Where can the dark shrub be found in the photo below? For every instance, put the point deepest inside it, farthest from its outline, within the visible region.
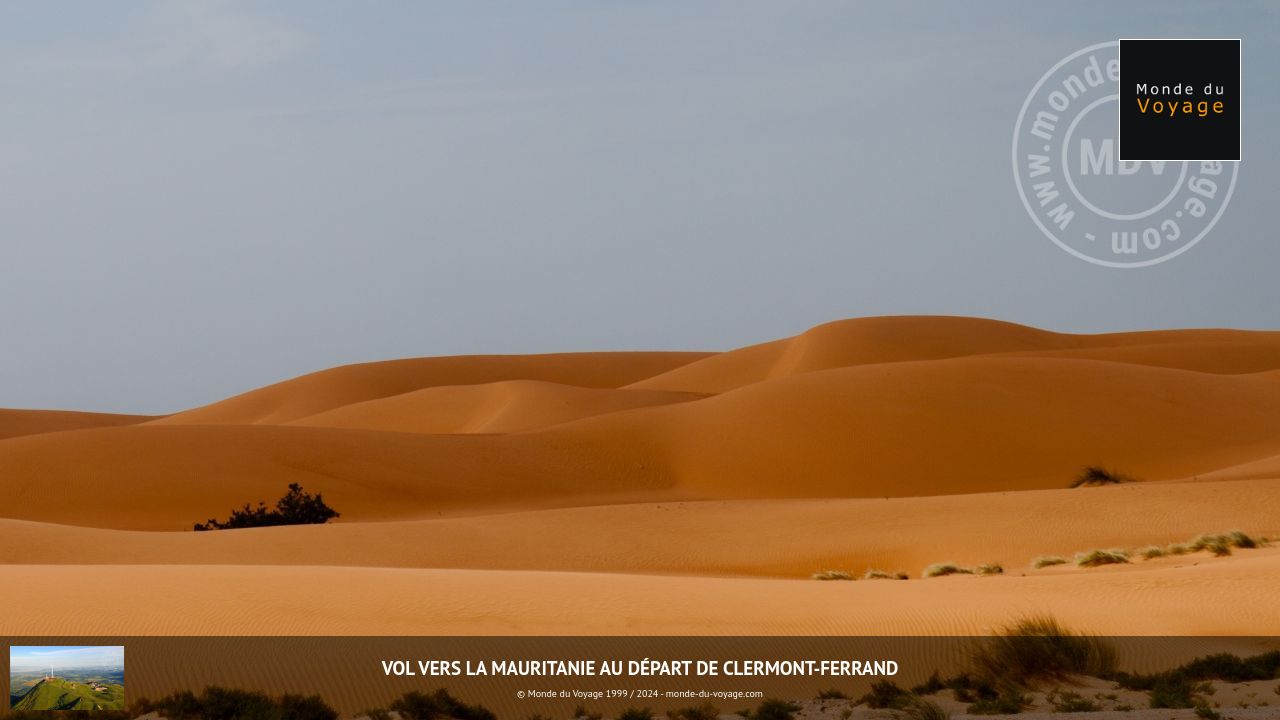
(775, 710)
(295, 508)
(886, 694)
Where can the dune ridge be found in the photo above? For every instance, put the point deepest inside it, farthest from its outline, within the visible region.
(530, 493)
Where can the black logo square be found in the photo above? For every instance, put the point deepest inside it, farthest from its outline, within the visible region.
(1179, 99)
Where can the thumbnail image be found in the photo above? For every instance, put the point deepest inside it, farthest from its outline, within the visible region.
(66, 677)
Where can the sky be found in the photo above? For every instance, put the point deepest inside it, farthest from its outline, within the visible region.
(200, 198)
(62, 657)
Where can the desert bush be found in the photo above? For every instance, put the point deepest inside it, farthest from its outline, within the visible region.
(832, 694)
(1009, 702)
(1045, 561)
(1065, 701)
(217, 703)
(1173, 691)
(1207, 713)
(1178, 549)
(1094, 475)
(636, 714)
(934, 684)
(1096, 558)
(1039, 648)
(946, 568)
(832, 575)
(926, 710)
(886, 694)
(990, 569)
(1151, 552)
(582, 713)
(295, 508)
(436, 706)
(876, 574)
(775, 710)
(1219, 545)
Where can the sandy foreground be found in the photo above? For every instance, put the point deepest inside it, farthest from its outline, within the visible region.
(673, 493)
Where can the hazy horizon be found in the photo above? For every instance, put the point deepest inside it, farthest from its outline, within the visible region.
(207, 197)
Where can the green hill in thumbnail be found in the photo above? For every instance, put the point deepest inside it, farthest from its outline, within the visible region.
(61, 694)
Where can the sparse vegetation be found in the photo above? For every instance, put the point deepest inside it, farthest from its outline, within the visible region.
(886, 694)
(1095, 475)
(989, 569)
(876, 574)
(775, 710)
(1097, 558)
(436, 705)
(1045, 561)
(582, 713)
(295, 508)
(946, 568)
(1065, 701)
(636, 714)
(832, 575)
(216, 703)
(832, 694)
(1151, 552)
(926, 710)
(1039, 648)
(706, 711)
(1009, 702)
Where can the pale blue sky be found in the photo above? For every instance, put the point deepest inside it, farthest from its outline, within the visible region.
(63, 657)
(203, 197)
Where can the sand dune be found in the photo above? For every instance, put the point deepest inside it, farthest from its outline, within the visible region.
(502, 407)
(652, 493)
(865, 341)
(17, 423)
(275, 600)
(945, 427)
(787, 538)
(328, 389)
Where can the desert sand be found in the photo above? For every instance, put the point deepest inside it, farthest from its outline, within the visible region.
(673, 493)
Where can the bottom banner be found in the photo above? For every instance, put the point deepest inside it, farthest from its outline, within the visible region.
(1035, 668)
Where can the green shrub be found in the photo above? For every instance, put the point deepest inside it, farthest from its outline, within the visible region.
(990, 569)
(946, 568)
(876, 574)
(1151, 552)
(1173, 691)
(926, 710)
(1045, 561)
(886, 694)
(1039, 648)
(1096, 558)
(931, 686)
(295, 508)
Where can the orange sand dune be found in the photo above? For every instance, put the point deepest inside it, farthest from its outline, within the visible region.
(864, 341)
(652, 493)
(502, 407)
(962, 425)
(16, 423)
(165, 477)
(328, 389)
(708, 538)
(943, 427)
(275, 600)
